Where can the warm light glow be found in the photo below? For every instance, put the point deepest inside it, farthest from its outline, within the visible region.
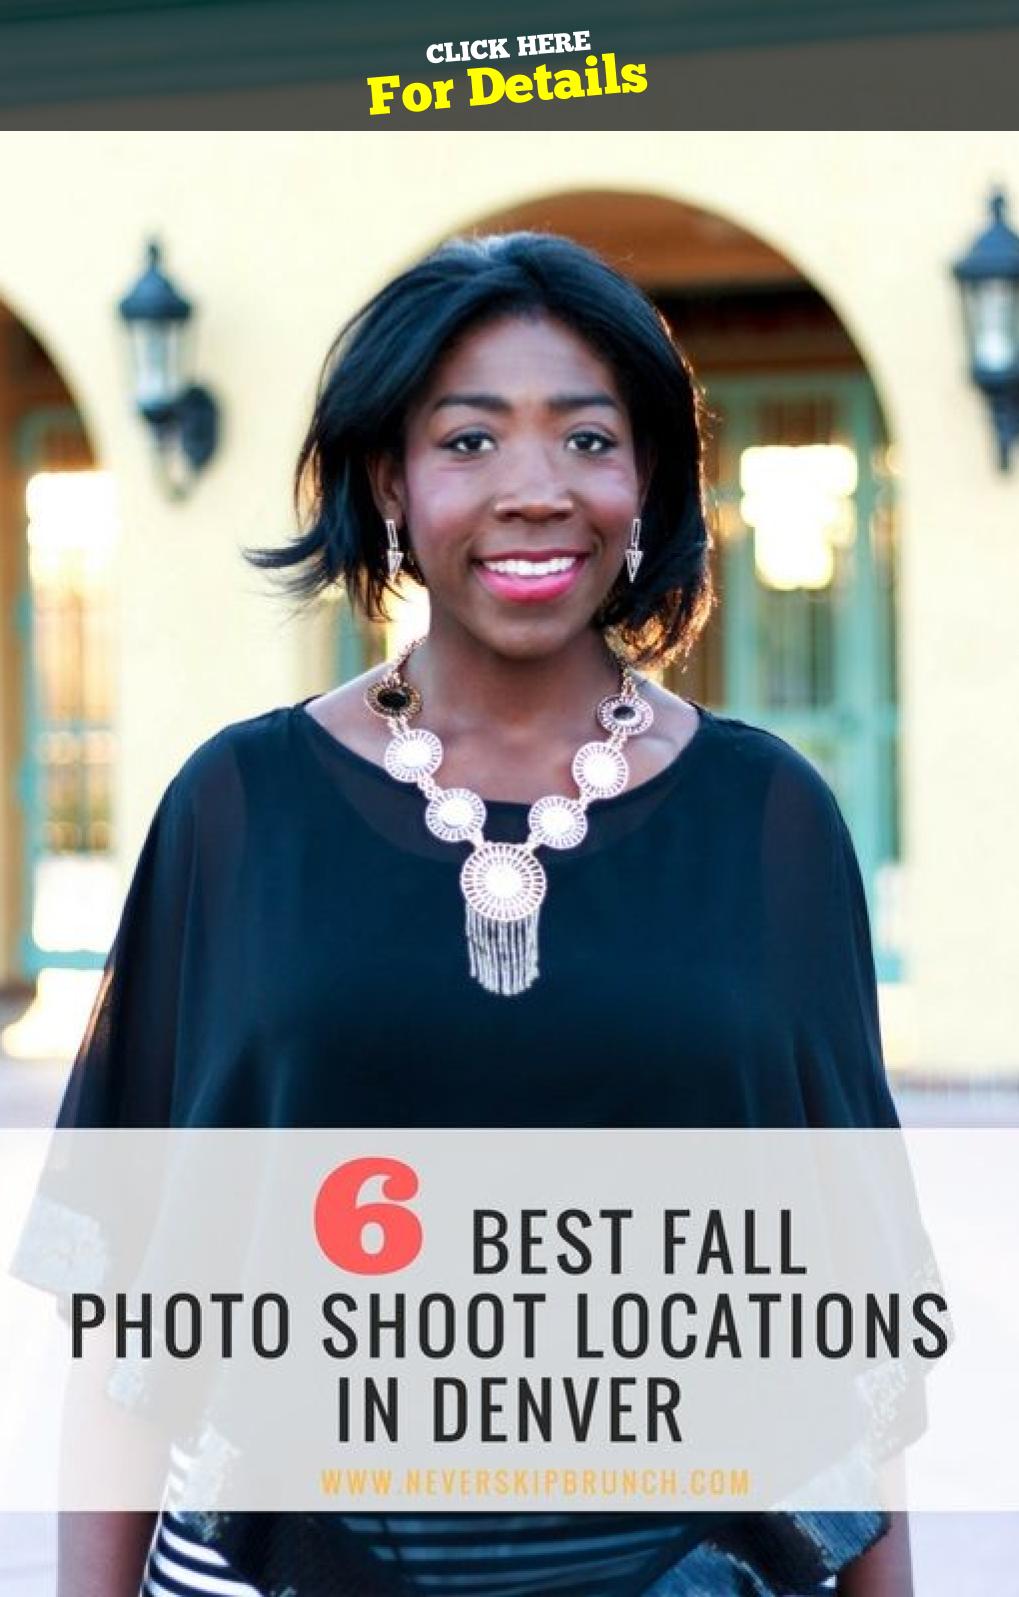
(892, 460)
(53, 1024)
(71, 537)
(410, 616)
(798, 500)
(728, 523)
(72, 528)
(76, 902)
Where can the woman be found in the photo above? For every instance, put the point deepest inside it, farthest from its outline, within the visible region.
(322, 928)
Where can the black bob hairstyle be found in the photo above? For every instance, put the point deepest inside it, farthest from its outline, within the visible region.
(382, 361)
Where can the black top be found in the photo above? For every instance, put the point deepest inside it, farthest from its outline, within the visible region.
(292, 953)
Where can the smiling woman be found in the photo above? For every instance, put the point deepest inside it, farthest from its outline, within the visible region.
(511, 424)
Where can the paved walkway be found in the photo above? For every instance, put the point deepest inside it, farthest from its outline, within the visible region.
(954, 1555)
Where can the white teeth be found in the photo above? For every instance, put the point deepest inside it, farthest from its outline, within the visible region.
(532, 568)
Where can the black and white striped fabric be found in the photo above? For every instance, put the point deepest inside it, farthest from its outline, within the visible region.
(474, 1555)
(444, 1555)
(179, 1566)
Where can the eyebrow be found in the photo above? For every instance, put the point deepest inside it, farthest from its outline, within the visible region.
(558, 402)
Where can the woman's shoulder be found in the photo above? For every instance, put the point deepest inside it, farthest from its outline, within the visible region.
(756, 744)
(238, 753)
(763, 763)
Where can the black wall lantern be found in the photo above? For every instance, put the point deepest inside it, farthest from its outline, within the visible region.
(989, 278)
(182, 416)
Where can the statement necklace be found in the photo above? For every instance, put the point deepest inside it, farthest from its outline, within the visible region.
(503, 884)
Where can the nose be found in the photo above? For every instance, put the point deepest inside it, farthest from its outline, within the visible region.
(533, 491)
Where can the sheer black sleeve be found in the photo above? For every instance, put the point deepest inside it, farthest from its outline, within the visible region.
(122, 1077)
(820, 954)
(123, 1074)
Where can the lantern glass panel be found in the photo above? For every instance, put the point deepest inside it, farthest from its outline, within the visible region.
(158, 350)
(992, 324)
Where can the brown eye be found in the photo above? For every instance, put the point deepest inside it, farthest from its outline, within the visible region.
(591, 443)
(472, 443)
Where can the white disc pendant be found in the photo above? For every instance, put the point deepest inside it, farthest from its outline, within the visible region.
(557, 822)
(623, 713)
(412, 755)
(503, 882)
(454, 813)
(600, 771)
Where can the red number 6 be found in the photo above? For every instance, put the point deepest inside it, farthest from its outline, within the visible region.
(340, 1220)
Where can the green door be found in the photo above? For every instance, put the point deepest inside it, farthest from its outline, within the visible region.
(805, 566)
(64, 619)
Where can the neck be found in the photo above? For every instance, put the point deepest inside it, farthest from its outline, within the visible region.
(468, 687)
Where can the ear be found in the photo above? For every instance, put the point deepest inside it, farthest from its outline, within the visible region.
(385, 477)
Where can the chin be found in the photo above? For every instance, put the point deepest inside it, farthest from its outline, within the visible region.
(532, 640)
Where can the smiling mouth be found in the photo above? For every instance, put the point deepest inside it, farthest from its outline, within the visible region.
(526, 566)
(521, 579)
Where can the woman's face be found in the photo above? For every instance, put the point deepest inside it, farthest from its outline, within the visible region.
(520, 451)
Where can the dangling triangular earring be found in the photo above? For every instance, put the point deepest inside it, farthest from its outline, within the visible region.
(634, 553)
(394, 554)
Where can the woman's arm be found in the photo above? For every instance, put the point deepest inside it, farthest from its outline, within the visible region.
(102, 1555)
(884, 1570)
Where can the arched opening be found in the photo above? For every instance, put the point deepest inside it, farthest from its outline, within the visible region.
(58, 885)
(803, 641)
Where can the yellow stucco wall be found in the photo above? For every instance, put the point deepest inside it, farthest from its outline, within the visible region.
(278, 236)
